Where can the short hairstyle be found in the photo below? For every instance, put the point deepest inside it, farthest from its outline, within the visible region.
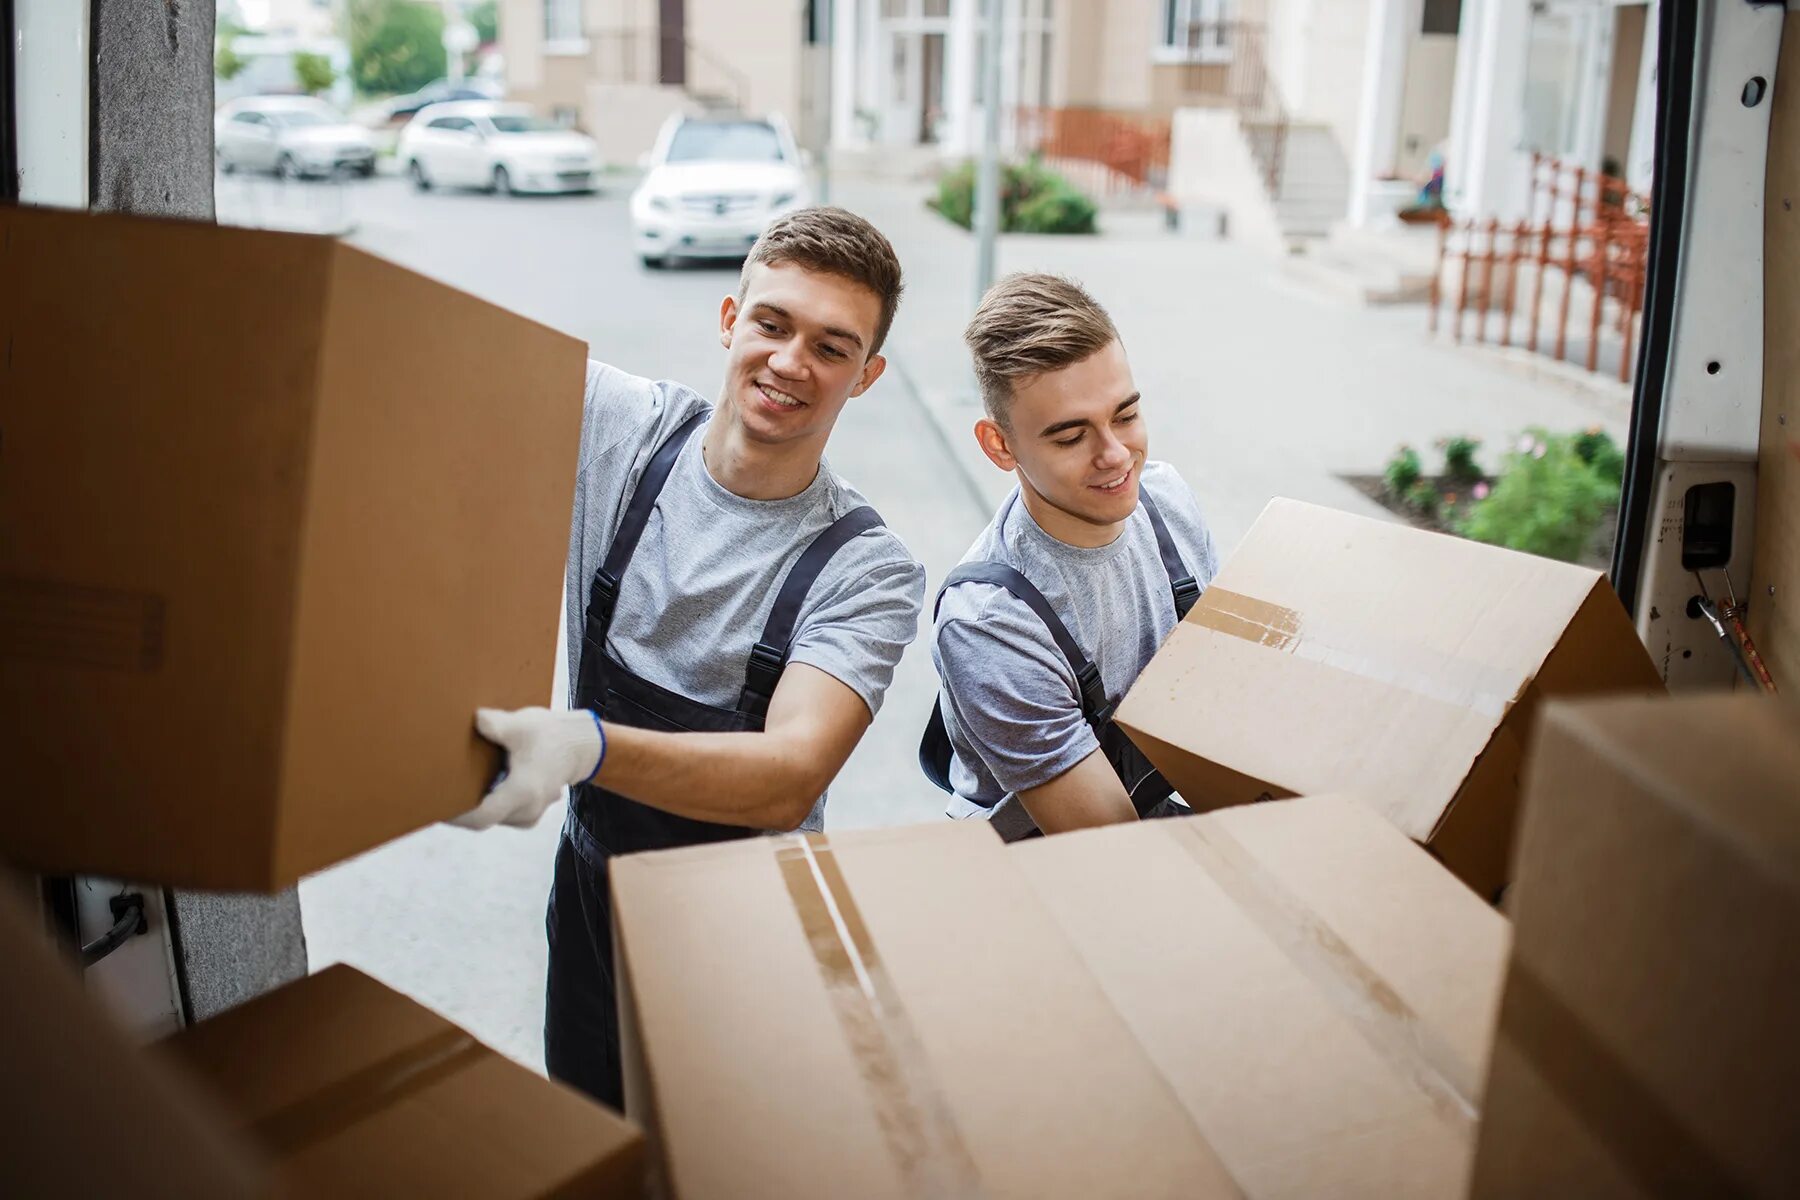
(1029, 325)
(833, 241)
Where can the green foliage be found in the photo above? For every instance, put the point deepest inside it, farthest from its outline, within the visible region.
(1599, 451)
(313, 73)
(1033, 199)
(1549, 500)
(1422, 497)
(485, 17)
(1402, 471)
(227, 63)
(1459, 459)
(395, 46)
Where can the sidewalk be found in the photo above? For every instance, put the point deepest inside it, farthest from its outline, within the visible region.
(1255, 386)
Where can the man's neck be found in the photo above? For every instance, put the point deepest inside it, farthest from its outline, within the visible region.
(754, 470)
(1066, 527)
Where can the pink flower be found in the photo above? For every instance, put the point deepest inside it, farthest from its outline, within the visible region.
(1538, 450)
(1526, 442)
(1481, 491)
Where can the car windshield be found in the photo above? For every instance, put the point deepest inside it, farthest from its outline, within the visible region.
(725, 141)
(522, 123)
(301, 118)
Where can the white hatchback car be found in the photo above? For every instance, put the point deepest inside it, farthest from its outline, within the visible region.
(293, 136)
(498, 147)
(712, 186)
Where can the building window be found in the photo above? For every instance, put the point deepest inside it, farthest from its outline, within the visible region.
(562, 20)
(1441, 16)
(1194, 31)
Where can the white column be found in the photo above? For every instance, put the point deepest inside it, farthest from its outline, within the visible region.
(1462, 104)
(1640, 160)
(1496, 171)
(50, 54)
(844, 33)
(959, 86)
(1391, 27)
(1594, 88)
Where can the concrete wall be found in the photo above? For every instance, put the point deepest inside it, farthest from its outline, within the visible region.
(624, 118)
(1210, 168)
(756, 47)
(1425, 111)
(150, 112)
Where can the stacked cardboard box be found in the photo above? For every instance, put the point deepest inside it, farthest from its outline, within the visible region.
(1336, 653)
(276, 517)
(1278, 1000)
(1647, 1042)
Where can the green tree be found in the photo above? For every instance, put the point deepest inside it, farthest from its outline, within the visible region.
(395, 45)
(227, 62)
(485, 17)
(313, 73)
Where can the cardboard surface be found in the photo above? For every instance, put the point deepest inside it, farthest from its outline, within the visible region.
(83, 1112)
(1774, 590)
(258, 569)
(923, 1011)
(1317, 990)
(354, 1090)
(1647, 1044)
(1337, 653)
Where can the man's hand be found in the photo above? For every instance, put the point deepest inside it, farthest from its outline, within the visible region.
(546, 751)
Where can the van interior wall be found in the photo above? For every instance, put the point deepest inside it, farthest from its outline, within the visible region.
(150, 151)
(1775, 590)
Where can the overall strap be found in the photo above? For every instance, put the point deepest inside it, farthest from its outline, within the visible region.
(1087, 676)
(769, 656)
(1181, 581)
(604, 593)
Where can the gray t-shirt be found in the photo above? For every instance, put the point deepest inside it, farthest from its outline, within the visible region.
(705, 574)
(1011, 704)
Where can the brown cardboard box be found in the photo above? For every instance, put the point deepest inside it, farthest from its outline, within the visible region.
(1318, 992)
(82, 1110)
(1289, 1000)
(1336, 653)
(276, 516)
(1647, 1042)
(354, 1090)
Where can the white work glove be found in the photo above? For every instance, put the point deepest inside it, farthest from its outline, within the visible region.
(546, 751)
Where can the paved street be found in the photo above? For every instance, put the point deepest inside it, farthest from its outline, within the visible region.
(1255, 388)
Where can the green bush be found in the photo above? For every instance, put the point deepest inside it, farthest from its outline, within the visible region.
(313, 73)
(227, 63)
(395, 46)
(1599, 451)
(1033, 199)
(1459, 459)
(1402, 471)
(1423, 498)
(1549, 500)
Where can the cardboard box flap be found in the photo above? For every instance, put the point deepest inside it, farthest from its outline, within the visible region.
(1392, 653)
(862, 997)
(350, 1084)
(1318, 992)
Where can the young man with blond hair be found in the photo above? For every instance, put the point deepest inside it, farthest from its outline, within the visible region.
(735, 610)
(1064, 597)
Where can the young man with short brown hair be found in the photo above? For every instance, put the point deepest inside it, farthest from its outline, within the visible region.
(735, 610)
(1071, 588)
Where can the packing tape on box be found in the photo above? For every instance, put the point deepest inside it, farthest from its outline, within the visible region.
(1447, 678)
(911, 1110)
(356, 1097)
(1641, 1134)
(1409, 1044)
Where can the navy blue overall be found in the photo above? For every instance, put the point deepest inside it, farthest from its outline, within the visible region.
(1143, 782)
(581, 1023)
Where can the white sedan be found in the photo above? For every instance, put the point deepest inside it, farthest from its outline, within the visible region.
(712, 186)
(293, 136)
(497, 147)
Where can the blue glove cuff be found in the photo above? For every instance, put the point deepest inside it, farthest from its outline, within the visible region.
(599, 728)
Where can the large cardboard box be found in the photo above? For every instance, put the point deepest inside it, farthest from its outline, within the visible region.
(83, 1112)
(1284, 1001)
(1648, 1044)
(275, 517)
(353, 1090)
(1337, 653)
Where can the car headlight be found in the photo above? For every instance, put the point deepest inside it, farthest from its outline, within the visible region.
(661, 204)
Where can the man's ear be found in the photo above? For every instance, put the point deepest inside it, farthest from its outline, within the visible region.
(870, 373)
(728, 315)
(993, 442)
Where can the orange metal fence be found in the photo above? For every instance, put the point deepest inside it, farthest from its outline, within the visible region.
(1109, 151)
(1587, 229)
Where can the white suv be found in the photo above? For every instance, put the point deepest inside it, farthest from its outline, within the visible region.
(712, 186)
(499, 147)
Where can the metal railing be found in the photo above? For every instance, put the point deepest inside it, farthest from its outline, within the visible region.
(651, 56)
(1106, 151)
(1227, 63)
(1587, 232)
